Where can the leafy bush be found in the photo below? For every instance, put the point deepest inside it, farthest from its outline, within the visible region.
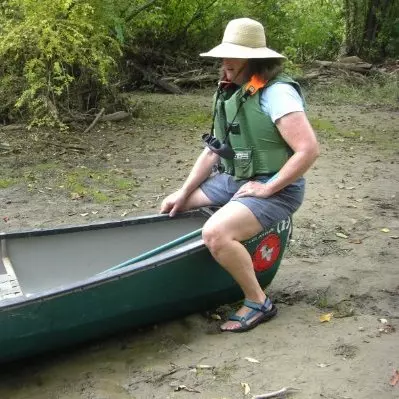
(51, 47)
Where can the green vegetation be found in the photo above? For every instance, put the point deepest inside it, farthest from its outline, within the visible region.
(4, 183)
(49, 51)
(378, 91)
(100, 186)
(60, 58)
(194, 118)
(372, 28)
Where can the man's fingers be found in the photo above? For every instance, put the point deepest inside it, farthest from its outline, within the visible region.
(173, 211)
(239, 194)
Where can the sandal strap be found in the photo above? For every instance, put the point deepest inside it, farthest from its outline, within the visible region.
(265, 307)
(243, 320)
(234, 317)
(256, 308)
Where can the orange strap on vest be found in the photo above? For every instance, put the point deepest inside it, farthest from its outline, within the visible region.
(254, 85)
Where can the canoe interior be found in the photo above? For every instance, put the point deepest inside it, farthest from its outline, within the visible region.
(45, 262)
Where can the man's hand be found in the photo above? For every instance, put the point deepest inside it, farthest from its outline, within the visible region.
(253, 189)
(173, 203)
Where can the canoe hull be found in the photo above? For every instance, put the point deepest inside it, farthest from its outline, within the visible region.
(188, 281)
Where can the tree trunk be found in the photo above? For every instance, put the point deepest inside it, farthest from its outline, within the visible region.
(371, 27)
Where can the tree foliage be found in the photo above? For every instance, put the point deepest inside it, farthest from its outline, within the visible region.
(49, 49)
(372, 28)
(73, 55)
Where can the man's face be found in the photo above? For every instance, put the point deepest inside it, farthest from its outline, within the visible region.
(235, 69)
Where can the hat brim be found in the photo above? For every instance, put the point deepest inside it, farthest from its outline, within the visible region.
(229, 50)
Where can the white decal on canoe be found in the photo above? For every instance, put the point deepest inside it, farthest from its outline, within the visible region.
(283, 225)
(266, 253)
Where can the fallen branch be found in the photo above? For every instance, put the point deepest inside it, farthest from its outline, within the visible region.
(67, 146)
(115, 117)
(275, 394)
(94, 123)
(149, 76)
(197, 79)
(10, 128)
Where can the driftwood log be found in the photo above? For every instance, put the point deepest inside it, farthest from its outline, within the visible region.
(362, 67)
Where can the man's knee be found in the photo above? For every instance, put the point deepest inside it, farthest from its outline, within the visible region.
(213, 236)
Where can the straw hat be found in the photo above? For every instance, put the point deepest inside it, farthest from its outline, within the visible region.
(243, 38)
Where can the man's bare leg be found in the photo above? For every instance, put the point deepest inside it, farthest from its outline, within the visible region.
(222, 234)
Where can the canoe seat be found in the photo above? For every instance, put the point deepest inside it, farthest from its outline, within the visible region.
(9, 287)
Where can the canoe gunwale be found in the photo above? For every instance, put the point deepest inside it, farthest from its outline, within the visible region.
(103, 225)
(105, 277)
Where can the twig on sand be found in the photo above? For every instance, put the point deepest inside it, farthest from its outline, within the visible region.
(275, 394)
(94, 123)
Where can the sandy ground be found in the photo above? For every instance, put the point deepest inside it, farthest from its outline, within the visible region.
(343, 261)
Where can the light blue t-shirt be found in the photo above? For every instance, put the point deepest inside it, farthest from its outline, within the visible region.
(280, 99)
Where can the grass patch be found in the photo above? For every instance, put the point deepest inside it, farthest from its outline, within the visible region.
(98, 185)
(42, 167)
(100, 197)
(4, 183)
(380, 90)
(177, 111)
(193, 119)
(323, 125)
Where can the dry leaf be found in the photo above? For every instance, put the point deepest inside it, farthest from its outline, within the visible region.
(325, 317)
(215, 316)
(246, 387)
(394, 378)
(251, 359)
(76, 196)
(385, 230)
(186, 388)
(355, 241)
(387, 329)
(83, 214)
(323, 365)
(341, 235)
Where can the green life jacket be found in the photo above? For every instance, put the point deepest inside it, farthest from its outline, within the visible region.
(258, 145)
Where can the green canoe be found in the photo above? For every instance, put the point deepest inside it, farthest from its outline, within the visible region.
(67, 285)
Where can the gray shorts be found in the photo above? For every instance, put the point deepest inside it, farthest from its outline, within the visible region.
(221, 187)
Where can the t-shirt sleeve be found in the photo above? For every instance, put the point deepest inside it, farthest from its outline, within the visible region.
(280, 99)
